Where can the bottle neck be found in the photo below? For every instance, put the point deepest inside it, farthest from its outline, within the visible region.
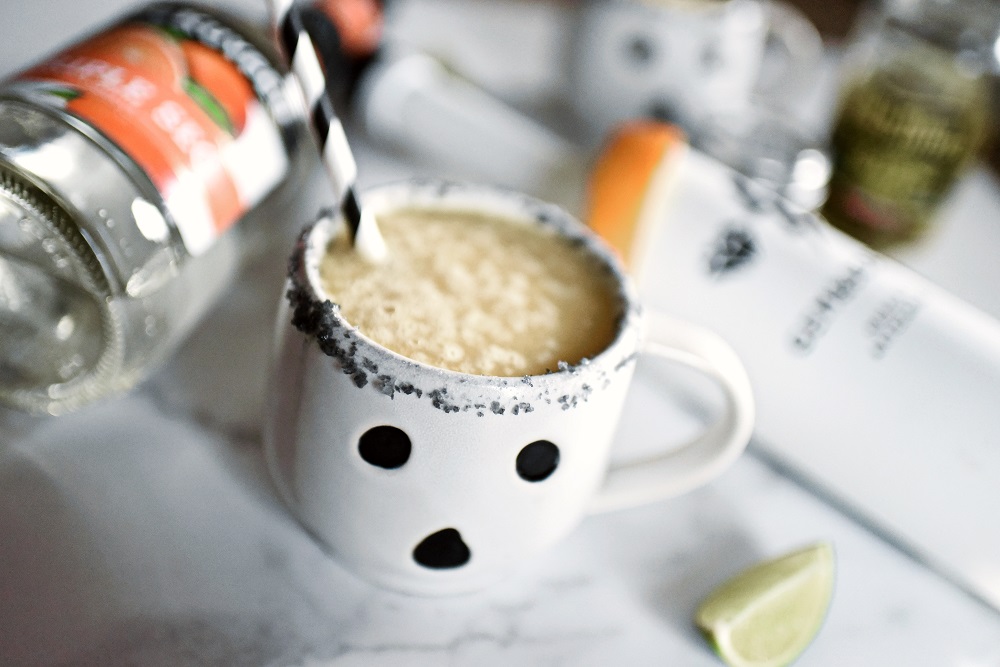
(56, 330)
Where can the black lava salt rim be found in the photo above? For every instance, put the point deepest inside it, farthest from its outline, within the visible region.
(371, 366)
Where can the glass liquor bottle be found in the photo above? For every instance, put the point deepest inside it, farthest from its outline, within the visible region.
(914, 110)
(135, 167)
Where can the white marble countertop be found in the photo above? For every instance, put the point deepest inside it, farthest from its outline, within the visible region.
(144, 530)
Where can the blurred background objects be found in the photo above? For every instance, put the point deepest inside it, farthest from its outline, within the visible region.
(914, 111)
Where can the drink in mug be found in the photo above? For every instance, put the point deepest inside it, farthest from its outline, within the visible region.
(475, 294)
(438, 419)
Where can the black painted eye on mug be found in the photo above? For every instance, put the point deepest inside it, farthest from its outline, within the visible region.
(385, 447)
(537, 461)
(640, 50)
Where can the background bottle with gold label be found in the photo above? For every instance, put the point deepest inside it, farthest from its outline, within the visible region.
(914, 111)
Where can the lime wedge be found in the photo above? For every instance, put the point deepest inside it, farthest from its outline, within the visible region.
(766, 615)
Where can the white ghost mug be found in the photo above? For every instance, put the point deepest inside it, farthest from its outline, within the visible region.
(678, 60)
(433, 482)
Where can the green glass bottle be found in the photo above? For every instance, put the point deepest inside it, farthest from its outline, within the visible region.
(914, 111)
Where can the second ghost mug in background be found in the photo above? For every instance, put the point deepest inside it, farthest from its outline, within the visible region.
(677, 60)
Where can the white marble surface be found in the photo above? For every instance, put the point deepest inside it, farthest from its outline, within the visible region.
(144, 531)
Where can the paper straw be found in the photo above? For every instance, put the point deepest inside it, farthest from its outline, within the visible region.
(304, 61)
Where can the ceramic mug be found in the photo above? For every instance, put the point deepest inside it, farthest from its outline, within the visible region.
(676, 60)
(479, 473)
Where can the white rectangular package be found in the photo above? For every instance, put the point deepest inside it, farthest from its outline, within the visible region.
(872, 384)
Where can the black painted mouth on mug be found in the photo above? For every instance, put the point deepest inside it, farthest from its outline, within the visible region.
(443, 550)
(662, 110)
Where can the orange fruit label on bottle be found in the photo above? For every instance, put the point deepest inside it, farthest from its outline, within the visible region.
(182, 111)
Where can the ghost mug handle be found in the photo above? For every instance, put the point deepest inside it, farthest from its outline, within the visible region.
(692, 464)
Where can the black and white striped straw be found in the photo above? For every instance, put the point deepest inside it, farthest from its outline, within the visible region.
(304, 61)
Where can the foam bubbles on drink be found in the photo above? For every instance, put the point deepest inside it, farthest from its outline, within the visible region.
(475, 294)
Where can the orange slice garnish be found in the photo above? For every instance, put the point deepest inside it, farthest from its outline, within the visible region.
(631, 176)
